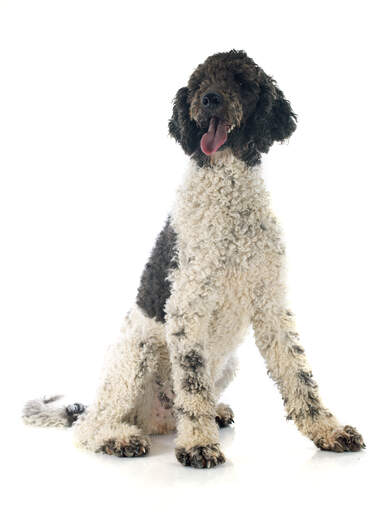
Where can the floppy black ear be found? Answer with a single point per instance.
(282, 118)
(181, 127)
(274, 119)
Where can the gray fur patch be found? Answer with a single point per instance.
(165, 401)
(306, 378)
(47, 413)
(314, 412)
(154, 289)
(179, 334)
(180, 411)
(192, 360)
(298, 349)
(313, 397)
(192, 383)
(73, 411)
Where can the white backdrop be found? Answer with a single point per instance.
(88, 175)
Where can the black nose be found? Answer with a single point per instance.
(211, 100)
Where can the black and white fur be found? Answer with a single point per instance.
(217, 267)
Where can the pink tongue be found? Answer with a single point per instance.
(214, 138)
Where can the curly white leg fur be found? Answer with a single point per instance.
(124, 411)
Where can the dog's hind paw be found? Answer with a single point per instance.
(200, 456)
(224, 415)
(134, 446)
(345, 439)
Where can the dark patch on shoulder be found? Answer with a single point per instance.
(155, 289)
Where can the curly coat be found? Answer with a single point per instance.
(252, 101)
(217, 268)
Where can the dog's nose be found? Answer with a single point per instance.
(211, 100)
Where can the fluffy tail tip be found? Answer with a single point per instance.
(46, 412)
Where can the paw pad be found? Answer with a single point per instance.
(200, 456)
(133, 447)
(346, 439)
(224, 416)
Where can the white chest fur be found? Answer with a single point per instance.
(222, 216)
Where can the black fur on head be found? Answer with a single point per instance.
(232, 98)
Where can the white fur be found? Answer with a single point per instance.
(230, 274)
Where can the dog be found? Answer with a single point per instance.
(217, 267)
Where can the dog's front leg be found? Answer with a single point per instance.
(188, 313)
(279, 344)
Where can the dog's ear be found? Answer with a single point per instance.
(274, 119)
(181, 127)
(282, 119)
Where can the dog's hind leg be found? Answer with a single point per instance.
(224, 414)
(116, 423)
(279, 344)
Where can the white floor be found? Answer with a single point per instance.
(88, 177)
(269, 466)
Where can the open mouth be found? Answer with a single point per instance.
(216, 136)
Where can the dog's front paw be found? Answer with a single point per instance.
(134, 446)
(224, 415)
(345, 439)
(200, 456)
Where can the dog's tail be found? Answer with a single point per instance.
(47, 412)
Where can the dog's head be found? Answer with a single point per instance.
(230, 102)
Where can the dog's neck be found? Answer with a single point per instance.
(223, 210)
(225, 168)
(223, 158)
(223, 189)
